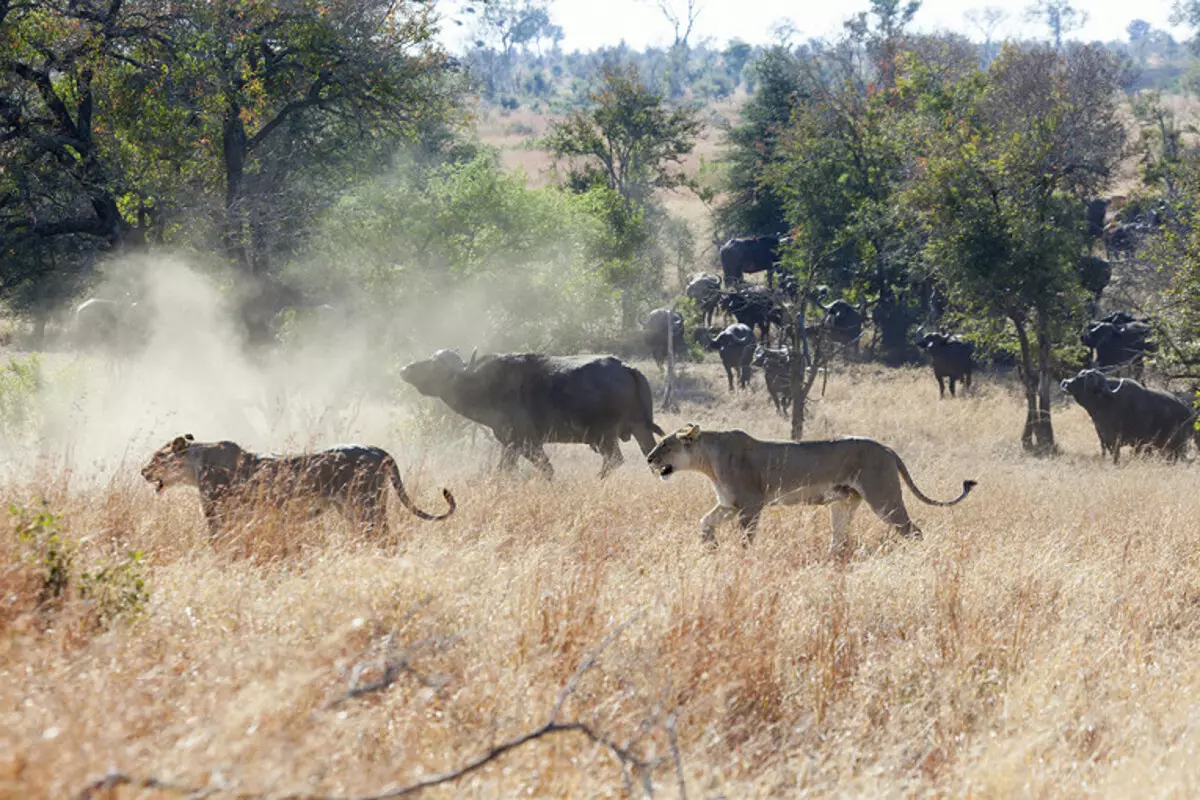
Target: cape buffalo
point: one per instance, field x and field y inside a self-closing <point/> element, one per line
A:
<point x="742" y="256"/>
<point x="1127" y="413"/>
<point x="736" y="347"/>
<point x="654" y="329"/>
<point x="705" y="291"/>
<point x="529" y="400"/>
<point x="843" y="321"/>
<point x="951" y="358"/>
<point x="754" y="306"/>
<point x="777" y="374"/>
<point x="116" y="325"/>
<point x="1118" y="341"/>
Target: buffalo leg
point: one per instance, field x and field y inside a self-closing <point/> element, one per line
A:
<point x="941" y="387"/>
<point x="644" y="437"/>
<point x="537" y="456"/>
<point x="611" y="451"/>
<point x="729" y="375"/>
<point x="952" y="386"/>
<point x="508" y="457"/>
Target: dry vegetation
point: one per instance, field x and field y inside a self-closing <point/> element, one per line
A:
<point x="1042" y="640"/>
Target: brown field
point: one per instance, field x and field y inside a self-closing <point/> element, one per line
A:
<point x="1042" y="640"/>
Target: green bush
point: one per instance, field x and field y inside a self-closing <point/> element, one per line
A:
<point x="20" y="384"/>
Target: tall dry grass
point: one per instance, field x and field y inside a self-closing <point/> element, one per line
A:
<point x="1042" y="640"/>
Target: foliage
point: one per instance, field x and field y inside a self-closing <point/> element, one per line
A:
<point x="470" y="231"/>
<point x="1009" y="152"/>
<point x="116" y="591"/>
<point x="40" y="530"/>
<point x="109" y="592"/>
<point x="628" y="136"/>
<point x="20" y="386"/>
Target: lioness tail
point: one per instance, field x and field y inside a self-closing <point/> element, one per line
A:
<point x="967" y="487"/>
<point x="398" y="485"/>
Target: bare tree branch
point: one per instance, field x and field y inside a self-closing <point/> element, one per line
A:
<point x="551" y="727"/>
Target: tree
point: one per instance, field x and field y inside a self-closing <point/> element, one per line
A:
<point x="1059" y="17"/>
<point x="1137" y="30"/>
<point x="628" y="143"/>
<point x="627" y="136"/>
<point x="503" y="27"/>
<point x="986" y="21"/>
<point x="64" y="194"/>
<point x="1008" y="155"/>
<point x="750" y="205"/>
<point x="282" y="75"/>
<point x="682" y="23"/>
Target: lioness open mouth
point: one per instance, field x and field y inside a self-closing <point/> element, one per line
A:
<point x="159" y="486"/>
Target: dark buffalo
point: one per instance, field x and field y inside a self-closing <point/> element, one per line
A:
<point x="1118" y="341"/>
<point x="705" y="291"/>
<point x="1094" y="212"/>
<point x="951" y="358"/>
<point x="654" y="329"/>
<point x="754" y="306"/>
<point x="736" y="346"/>
<point x="777" y="374"/>
<point x="742" y="256"/>
<point x="529" y="400"/>
<point x="843" y="321"/>
<point x="1127" y="413"/>
<point x="1094" y="274"/>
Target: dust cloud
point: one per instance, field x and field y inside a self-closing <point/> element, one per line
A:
<point x="186" y="368"/>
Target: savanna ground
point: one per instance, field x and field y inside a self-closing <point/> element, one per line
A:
<point x="1042" y="640"/>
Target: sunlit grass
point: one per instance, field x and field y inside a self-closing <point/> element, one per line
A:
<point x="1041" y="640"/>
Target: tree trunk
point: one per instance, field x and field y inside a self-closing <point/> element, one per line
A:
<point x="234" y="148"/>
<point x="668" y="401"/>
<point x="1029" y="380"/>
<point x="1044" y="431"/>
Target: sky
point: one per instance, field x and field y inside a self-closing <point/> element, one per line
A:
<point x="589" y="24"/>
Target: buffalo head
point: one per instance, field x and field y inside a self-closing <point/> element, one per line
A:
<point x="436" y="375"/>
<point x="1088" y="383"/>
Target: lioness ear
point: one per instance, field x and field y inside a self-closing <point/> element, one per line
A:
<point x="189" y="437"/>
<point x="690" y="431"/>
<point x="179" y="445"/>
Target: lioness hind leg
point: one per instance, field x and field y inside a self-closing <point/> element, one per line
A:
<point x="841" y="512"/>
<point x="889" y="507"/>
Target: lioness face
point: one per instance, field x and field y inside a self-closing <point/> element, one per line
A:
<point x="170" y="464"/>
<point x="676" y="452"/>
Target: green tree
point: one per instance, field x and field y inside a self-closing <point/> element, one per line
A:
<point x="750" y="205"/>
<point x="628" y="142"/>
<point x="627" y="136"/>
<point x="1009" y="154"/>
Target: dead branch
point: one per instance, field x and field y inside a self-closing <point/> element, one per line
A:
<point x="628" y="759"/>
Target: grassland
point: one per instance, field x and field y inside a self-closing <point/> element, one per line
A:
<point x="1042" y="640"/>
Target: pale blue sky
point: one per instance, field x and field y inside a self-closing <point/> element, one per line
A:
<point x="592" y="23"/>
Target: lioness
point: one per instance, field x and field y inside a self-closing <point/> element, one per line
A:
<point x="748" y="474"/>
<point x="351" y="478"/>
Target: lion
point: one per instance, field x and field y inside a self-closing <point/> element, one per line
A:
<point x="749" y="474"/>
<point x="351" y="478"/>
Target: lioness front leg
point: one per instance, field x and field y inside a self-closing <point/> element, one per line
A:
<point x="710" y="521"/>
<point x="748" y="519"/>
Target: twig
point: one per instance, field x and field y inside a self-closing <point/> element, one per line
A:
<point x="673" y="738"/>
<point x="551" y="727"/>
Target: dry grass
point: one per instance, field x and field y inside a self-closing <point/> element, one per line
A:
<point x="1041" y="641"/>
